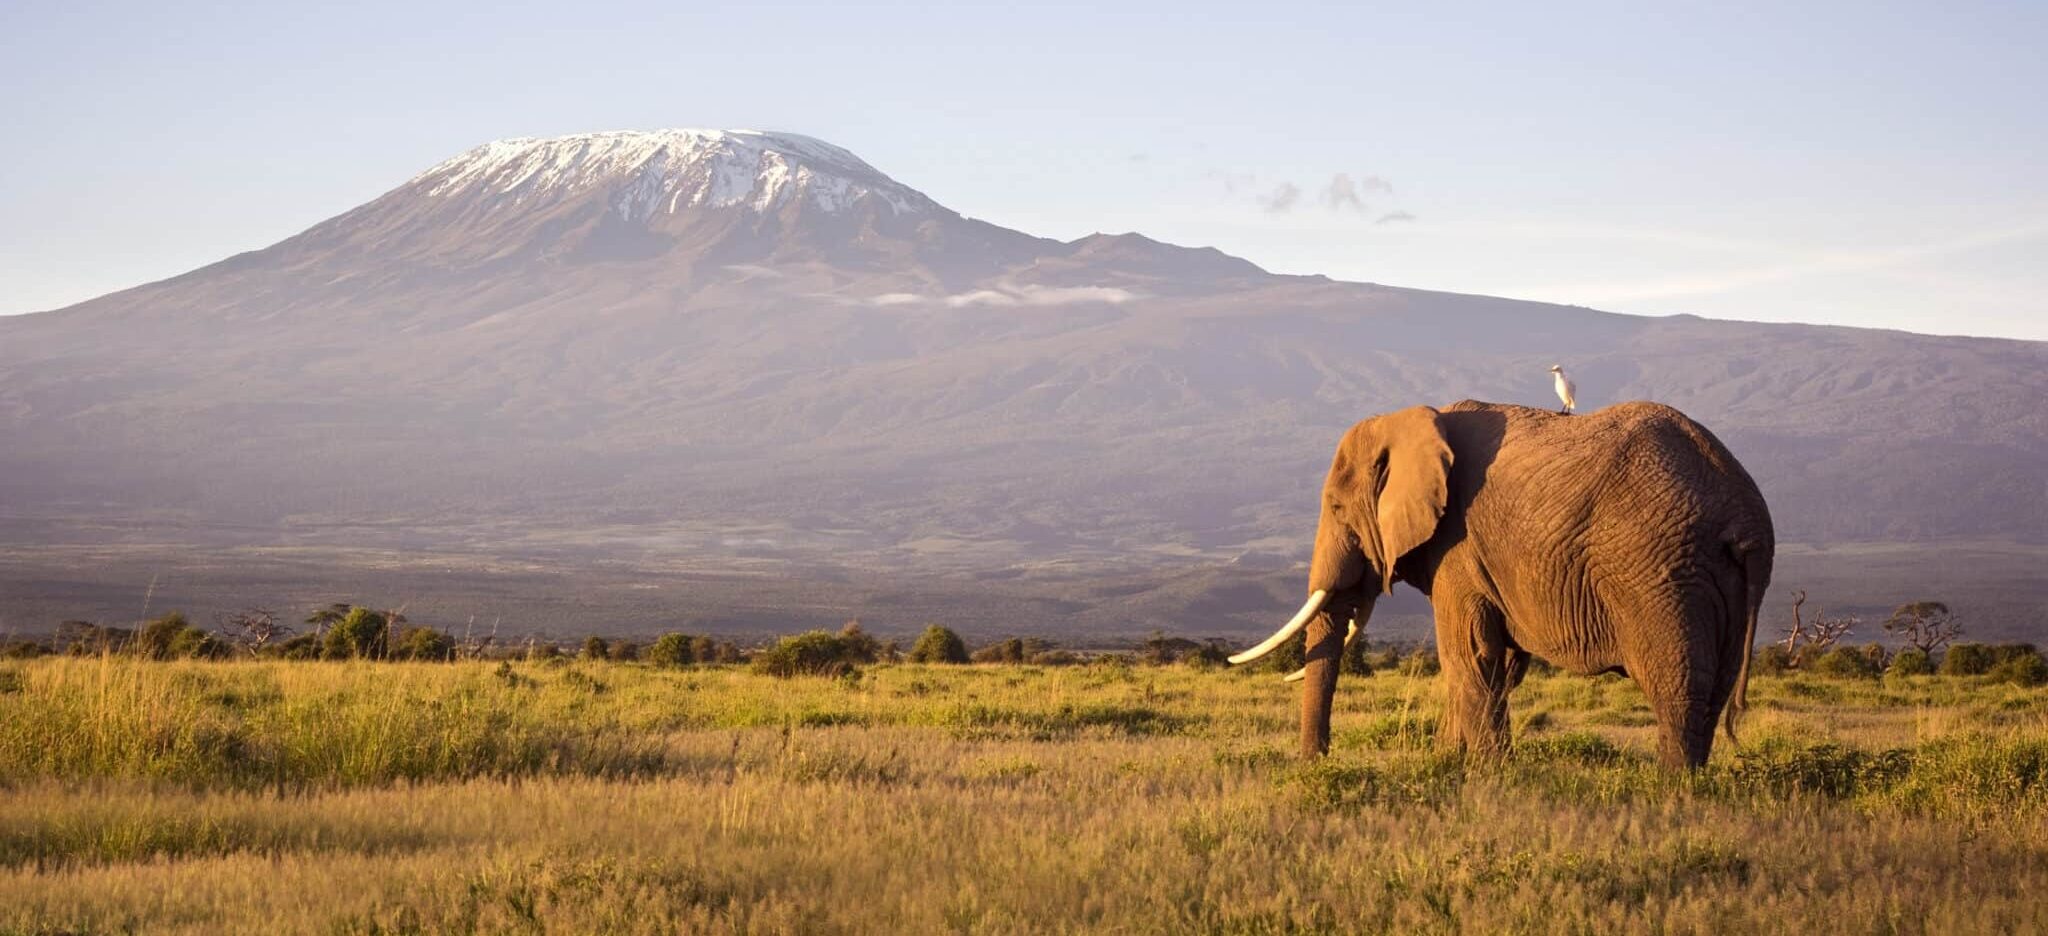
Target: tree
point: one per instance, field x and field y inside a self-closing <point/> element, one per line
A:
<point x="254" y="629"/>
<point x="1926" y="626"/>
<point x="360" y="634"/>
<point x="1805" y="643"/>
<point x="327" y="617"/>
<point x="938" y="645"/>
<point x="670" y="650"/>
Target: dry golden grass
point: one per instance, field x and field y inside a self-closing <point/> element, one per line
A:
<point x="358" y="798"/>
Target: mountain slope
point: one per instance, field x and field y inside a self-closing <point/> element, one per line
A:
<point x="755" y="351"/>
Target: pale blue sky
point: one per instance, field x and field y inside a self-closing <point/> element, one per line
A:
<point x="1849" y="163"/>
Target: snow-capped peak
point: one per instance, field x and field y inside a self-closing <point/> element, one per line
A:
<point x="645" y="173"/>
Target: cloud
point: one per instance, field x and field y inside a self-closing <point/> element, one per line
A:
<point x="1027" y="295"/>
<point x="1281" y="199"/>
<point x="1345" y="193"/>
<point x="1393" y="217"/>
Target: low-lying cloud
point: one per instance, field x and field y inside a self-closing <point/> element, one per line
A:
<point x="1029" y="295"/>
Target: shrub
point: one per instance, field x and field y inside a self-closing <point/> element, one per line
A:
<point x="1845" y="663"/>
<point x="302" y="647"/>
<point x="1911" y="661"/>
<point x="596" y="648"/>
<point x="1357" y="659"/>
<point x="173" y="637"/>
<point x="2027" y="670"/>
<point x="938" y="645"/>
<point x="624" y="651"/>
<point x="360" y="633"/>
<point x="424" y="643"/>
<point x="1291" y="655"/>
<point x="1007" y="651"/>
<point x="1770" y="660"/>
<point x="707" y="650"/>
<point x="858" y="646"/>
<point x="1967" y="659"/>
<point x="542" y="650"/>
<point x="815" y="653"/>
<point x="1422" y="662"/>
<point x="670" y="650"/>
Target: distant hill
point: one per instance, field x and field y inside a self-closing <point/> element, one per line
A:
<point x="754" y="353"/>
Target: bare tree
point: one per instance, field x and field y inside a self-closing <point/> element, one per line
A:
<point x="1798" y="629"/>
<point x="1805" y="640"/>
<point x="1926" y="626"/>
<point x="254" y="628"/>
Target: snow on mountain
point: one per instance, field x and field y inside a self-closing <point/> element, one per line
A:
<point x="645" y="173"/>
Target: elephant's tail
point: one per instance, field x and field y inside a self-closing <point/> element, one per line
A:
<point x="1756" y="577"/>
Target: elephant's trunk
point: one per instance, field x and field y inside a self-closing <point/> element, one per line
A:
<point x="1325" y="658"/>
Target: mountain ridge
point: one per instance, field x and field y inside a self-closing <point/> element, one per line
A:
<point x="889" y="392"/>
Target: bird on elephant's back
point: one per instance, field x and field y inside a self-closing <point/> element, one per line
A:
<point x="1627" y="540"/>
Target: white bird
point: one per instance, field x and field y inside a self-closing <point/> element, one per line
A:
<point x="1567" y="391"/>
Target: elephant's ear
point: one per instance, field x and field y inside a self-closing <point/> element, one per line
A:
<point x="1415" y="485"/>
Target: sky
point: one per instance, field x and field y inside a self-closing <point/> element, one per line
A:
<point x="1861" y="164"/>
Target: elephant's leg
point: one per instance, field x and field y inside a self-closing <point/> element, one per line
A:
<point x="1319" y="685"/>
<point x="1684" y="670"/>
<point x="1518" y="666"/>
<point x="1472" y="646"/>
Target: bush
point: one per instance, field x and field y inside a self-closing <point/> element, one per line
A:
<point x="1770" y="660"/>
<point x="1007" y="651"/>
<point x="707" y="650"/>
<point x="815" y="653"/>
<point x="623" y="651"/>
<point x="1291" y="655"/>
<point x="2027" y="670"/>
<point x="938" y="645"/>
<point x="1357" y="659"/>
<point x="302" y="647"/>
<point x="1967" y="659"/>
<point x="1911" y="662"/>
<point x="670" y="650"/>
<point x="541" y="650"/>
<point x="1845" y="663"/>
<point x="424" y="643"/>
<point x="1423" y="662"/>
<point x="858" y="646"/>
<point x="596" y="648"/>
<point x="360" y="633"/>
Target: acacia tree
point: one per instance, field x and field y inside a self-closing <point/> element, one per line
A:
<point x="1926" y="626"/>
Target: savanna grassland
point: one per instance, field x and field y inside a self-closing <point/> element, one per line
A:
<point x="526" y="797"/>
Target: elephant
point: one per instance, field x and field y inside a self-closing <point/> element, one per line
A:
<point x="1628" y="540"/>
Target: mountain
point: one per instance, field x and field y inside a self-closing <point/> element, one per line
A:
<point x="734" y="353"/>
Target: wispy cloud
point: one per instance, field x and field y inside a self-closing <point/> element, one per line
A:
<point x="1281" y="199"/>
<point x="1025" y="295"/>
<point x="1345" y="193"/>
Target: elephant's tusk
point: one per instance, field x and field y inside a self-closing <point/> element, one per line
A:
<point x="1301" y="673"/>
<point x="1308" y="610"/>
